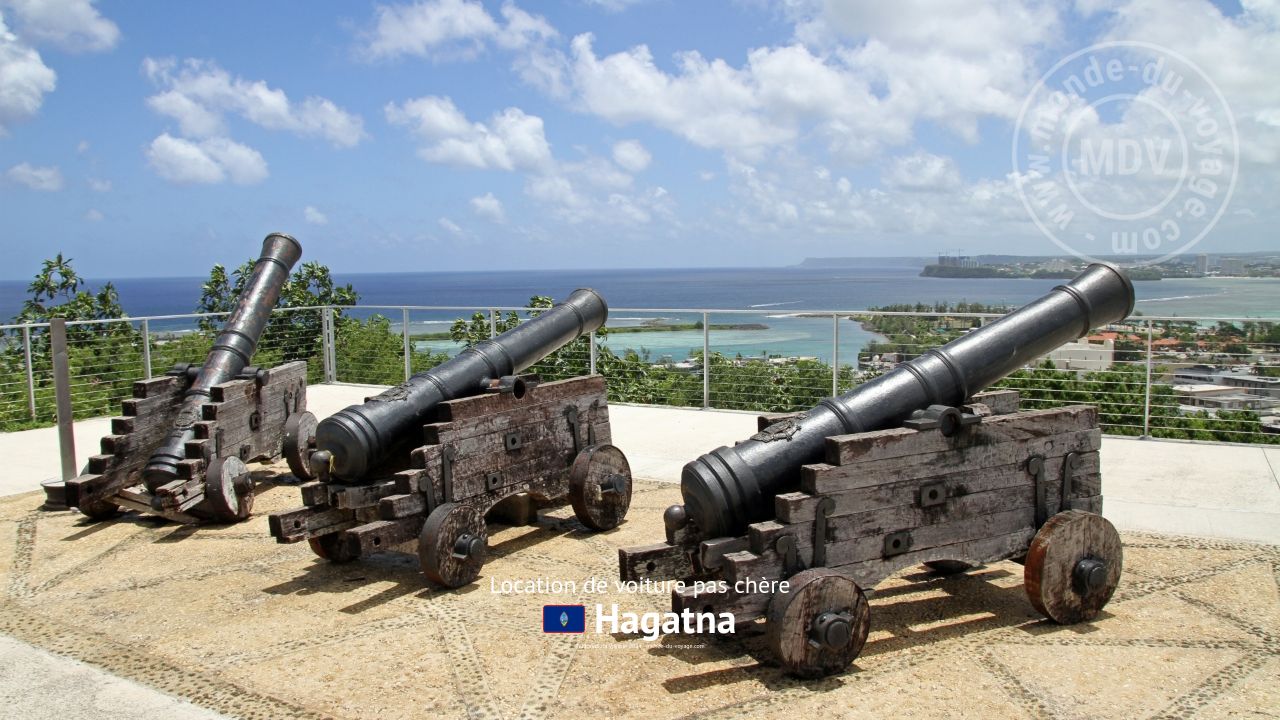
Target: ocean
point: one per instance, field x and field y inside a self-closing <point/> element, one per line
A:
<point x="770" y="295"/>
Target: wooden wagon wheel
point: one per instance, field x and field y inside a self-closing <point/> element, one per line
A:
<point x="600" y="487"/>
<point x="820" y="626"/>
<point x="1073" y="566"/>
<point x="299" y="441"/>
<point x="452" y="545"/>
<point x="331" y="547"/>
<point x="228" y="489"/>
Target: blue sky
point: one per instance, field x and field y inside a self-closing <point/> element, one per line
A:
<point x="152" y="139"/>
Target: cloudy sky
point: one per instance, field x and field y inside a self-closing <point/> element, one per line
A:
<point x="157" y="138"/>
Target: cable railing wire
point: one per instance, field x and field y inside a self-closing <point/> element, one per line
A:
<point x="1214" y="379"/>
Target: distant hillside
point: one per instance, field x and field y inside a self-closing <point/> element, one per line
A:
<point x="838" y="262"/>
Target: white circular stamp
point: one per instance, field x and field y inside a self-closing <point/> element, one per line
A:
<point x="1125" y="148"/>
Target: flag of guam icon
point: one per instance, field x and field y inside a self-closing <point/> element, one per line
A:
<point x="564" y="618"/>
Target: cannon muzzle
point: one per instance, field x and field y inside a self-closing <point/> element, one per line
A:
<point x="731" y="487"/>
<point x="361" y="437"/>
<point x="231" y="351"/>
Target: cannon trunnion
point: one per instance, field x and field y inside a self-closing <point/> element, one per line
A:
<point x="500" y="456"/>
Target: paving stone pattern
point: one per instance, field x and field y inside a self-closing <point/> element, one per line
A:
<point x="226" y="618"/>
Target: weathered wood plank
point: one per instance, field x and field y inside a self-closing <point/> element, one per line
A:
<point x="900" y="442"/>
<point x="1087" y="480"/>
<point x="823" y="479"/>
<point x="1001" y="402"/>
<point x="871" y="547"/>
<point x="492" y="403"/>
<point x="393" y="507"/>
<point x="298" y="524"/>
<point x="591" y="410"/>
<point x="381" y="535"/>
<point x="654" y="562"/>
<point x="347" y="497"/>
<point x="163" y="385"/>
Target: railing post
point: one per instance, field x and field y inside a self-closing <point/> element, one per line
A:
<point x="62" y="393"/>
<point x="706" y="361"/>
<point x="1146" y="401"/>
<point x="407" y="364"/>
<point x="835" y="355"/>
<point x="146" y="349"/>
<point x="591" y="338"/>
<point x="493" y="323"/>
<point x="326" y="339"/>
<point x="31" y="375"/>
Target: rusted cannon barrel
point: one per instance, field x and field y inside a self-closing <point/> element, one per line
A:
<point x="231" y="351"/>
<point x="361" y="437"/>
<point x="729" y="488"/>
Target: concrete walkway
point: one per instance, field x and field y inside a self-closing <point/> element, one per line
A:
<point x="1203" y="489"/>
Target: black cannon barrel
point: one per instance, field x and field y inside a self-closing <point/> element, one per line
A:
<point x="361" y="436"/>
<point x="730" y="488"/>
<point x="231" y="351"/>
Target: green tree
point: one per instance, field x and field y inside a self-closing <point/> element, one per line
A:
<point x="295" y="329"/>
<point x="103" y="357"/>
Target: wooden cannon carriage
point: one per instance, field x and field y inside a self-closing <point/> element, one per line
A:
<point x="500" y="454"/>
<point x="245" y="420"/>
<point x="950" y="490"/>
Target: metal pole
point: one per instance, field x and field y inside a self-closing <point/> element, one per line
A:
<point x="31" y="376"/>
<point x="333" y="343"/>
<point x="493" y="324"/>
<point x="592" y="340"/>
<point x="62" y="391"/>
<point x="835" y="354"/>
<point x="326" y="343"/>
<point x="706" y="362"/>
<point x="1146" y="402"/>
<point x="146" y="349"/>
<point x="405" y="322"/>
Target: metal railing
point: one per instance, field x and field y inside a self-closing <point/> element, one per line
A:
<point x="1191" y="378"/>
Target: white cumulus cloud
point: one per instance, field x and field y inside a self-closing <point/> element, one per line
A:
<point x="199" y="94"/>
<point x="94" y="215"/>
<point x="488" y="206"/>
<point x="452" y="227"/>
<point x="99" y="185"/>
<point x="70" y="25"/>
<point x="923" y="172"/>
<point x="510" y="140"/>
<point x="24" y="79"/>
<point x="314" y="216"/>
<point x="209" y="161"/>
<point x="631" y="155"/>
<point x="46" y="179"/>
<point x="441" y="28"/>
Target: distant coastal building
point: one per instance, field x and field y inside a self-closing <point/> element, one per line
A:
<point x="1232" y="266"/>
<point x="963" y="261"/>
<point x="1221" y="397"/>
<point x="1211" y="377"/>
<point x="1268" y="386"/>
<point x="1084" y="356"/>
<point x="1202" y="264"/>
